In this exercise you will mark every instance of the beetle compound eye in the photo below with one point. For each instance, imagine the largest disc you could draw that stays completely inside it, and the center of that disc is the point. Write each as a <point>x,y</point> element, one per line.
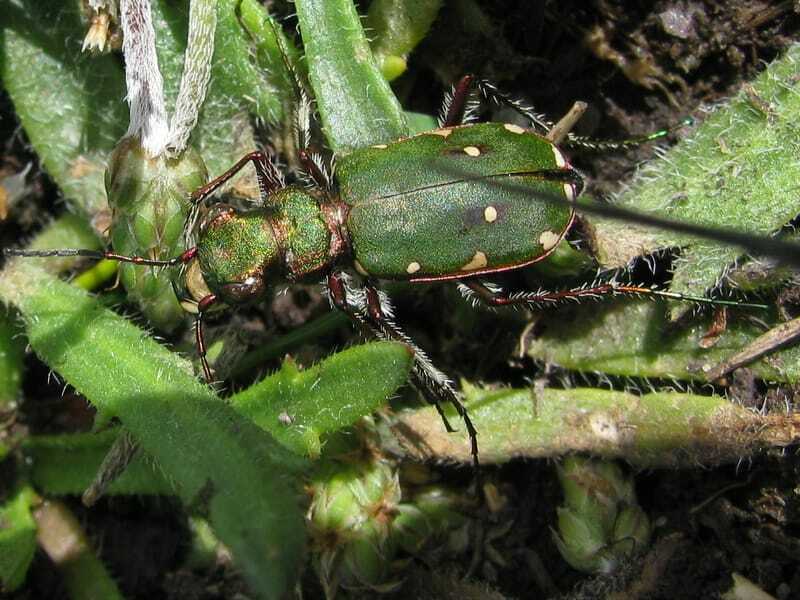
<point>248,290</point>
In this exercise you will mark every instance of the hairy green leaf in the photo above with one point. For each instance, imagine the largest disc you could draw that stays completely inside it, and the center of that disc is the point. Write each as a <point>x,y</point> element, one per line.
<point>738,170</point>
<point>355,102</point>
<point>17,538</point>
<point>298,407</point>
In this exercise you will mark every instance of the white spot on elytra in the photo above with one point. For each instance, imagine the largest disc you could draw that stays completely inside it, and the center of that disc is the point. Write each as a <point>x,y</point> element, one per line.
<point>442,132</point>
<point>561,162</point>
<point>380,146</point>
<point>472,151</point>
<point>490,214</point>
<point>360,269</point>
<point>548,239</point>
<point>514,128</point>
<point>478,262</point>
<point>569,191</point>
<point>413,267</point>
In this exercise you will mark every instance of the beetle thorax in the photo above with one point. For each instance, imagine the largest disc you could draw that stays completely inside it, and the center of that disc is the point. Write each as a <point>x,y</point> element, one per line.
<point>243,253</point>
<point>237,252</point>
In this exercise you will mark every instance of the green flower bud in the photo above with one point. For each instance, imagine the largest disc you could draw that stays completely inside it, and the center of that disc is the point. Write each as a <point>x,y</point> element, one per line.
<point>351,516</point>
<point>582,542</point>
<point>632,529</point>
<point>600,522</point>
<point>149,199</point>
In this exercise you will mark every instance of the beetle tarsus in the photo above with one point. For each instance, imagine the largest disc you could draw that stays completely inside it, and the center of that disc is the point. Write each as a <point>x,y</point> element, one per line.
<point>371,312</point>
<point>494,297</point>
<point>269,177</point>
<point>202,306</point>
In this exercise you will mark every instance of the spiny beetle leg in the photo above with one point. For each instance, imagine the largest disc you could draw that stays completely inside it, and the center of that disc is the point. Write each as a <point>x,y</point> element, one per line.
<point>542,298</point>
<point>427,379</point>
<point>561,130</point>
<point>435,385</point>
<point>269,178</point>
<point>455,102</point>
<point>489,91</point>
<point>202,306</point>
<point>588,143</point>
<point>313,169</point>
<point>370,315</point>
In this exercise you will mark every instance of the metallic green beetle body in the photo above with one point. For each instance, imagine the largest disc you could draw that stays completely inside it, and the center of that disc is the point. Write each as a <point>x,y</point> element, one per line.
<point>411,221</point>
<point>241,251</point>
<point>398,218</point>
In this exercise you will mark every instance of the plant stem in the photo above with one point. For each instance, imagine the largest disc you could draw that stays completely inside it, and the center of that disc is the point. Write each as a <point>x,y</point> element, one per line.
<point>660,429</point>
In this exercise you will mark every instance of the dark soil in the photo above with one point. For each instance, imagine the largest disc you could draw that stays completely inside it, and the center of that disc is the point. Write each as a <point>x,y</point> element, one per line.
<point>640,66</point>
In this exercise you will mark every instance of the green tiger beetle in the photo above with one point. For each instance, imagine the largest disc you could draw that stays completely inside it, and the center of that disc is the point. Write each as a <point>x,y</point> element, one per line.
<point>388,216</point>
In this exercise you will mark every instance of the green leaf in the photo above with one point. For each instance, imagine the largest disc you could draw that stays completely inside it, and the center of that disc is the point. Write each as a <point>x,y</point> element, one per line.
<point>420,122</point>
<point>218,461</point>
<point>396,27</point>
<point>738,170</point>
<point>262,74</point>
<point>17,538</point>
<point>659,429</point>
<point>634,338</point>
<point>355,102</point>
<point>68,463</point>
<point>12,352</point>
<point>70,104</point>
<point>298,407</point>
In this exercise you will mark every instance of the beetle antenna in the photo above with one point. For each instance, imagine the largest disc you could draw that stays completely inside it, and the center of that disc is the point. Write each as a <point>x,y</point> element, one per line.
<point>182,259</point>
<point>592,144</point>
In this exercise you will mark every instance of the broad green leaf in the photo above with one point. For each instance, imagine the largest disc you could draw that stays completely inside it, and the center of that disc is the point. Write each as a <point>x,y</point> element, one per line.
<point>218,461</point>
<point>355,102</point>
<point>635,338</point>
<point>298,407</point>
<point>738,170</point>
<point>67,464</point>
<point>70,104</point>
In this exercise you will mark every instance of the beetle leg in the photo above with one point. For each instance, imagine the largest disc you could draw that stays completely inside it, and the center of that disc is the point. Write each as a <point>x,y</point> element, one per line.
<point>359,311</point>
<point>490,92</point>
<point>311,163</point>
<point>435,386</point>
<point>561,130</point>
<point>202,307</point>
<point>313,166</point>
<point>454,106</point>
<point>269,177</point>
<point>588,143</point>
<point>555,132</point>
<point>370,313</point>
<point>494,296</point>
